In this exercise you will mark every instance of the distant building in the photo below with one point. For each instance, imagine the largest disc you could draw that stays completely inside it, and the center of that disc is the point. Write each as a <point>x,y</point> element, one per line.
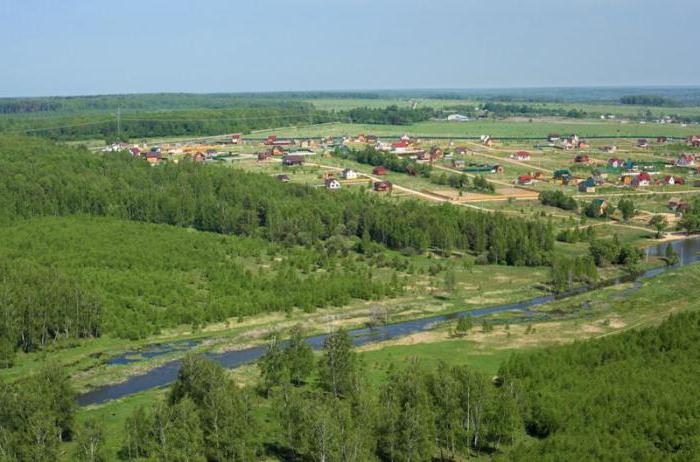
<point>382,186</point>
<point>332,183</point>
<point>686,160</point>
<point>521,155</point>
<point>379,170</point>
<point>525,180</point>
<point>290,160</point>
<point>349,174</point>
<point>457,118</point>
<point>587,186</point>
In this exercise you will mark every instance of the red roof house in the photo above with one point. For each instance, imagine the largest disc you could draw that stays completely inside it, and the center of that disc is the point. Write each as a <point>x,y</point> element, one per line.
<point>379,170</point>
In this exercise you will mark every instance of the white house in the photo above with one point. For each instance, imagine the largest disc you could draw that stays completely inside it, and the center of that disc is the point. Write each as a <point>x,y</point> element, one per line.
<point>349,174</point>
<point>332,183</point>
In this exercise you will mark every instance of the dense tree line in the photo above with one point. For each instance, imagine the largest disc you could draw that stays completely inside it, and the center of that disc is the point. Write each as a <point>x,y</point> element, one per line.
<point>45,179</point>
<point>333,413</point>
<point>647,100</point>
<point>568,271</point>
<point>183,122</point>
<point>556,198</point>
<point>390,115</point>
<point>513,109</point>
<point>610,251</point>
<point>461,182</point>
<point>39,305</point>
<point>372,156</point>
<point>629,396</point>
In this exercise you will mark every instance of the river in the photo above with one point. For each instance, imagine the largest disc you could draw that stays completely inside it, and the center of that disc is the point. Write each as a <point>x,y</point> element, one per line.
<point>687,249</point>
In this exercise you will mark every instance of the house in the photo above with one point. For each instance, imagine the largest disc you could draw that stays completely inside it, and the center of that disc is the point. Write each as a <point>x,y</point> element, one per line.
<point>567,145</point>
<point>153,157</point>
<point>436,153</point>
<point>486,140</point>
<point>582,159</point>
<point>521,155</point>
<point>686,160</point>
<point>361,138</point>
<point>332,183</point>
<point>601,206</point>
<point>277,151</point>
<point>611,148</point>
<point>461,150</point>
<point>694,141</point>
<point>562,176</point>
<point>282,178</point>
<point>587,186</point>
<point>290,160</point>
<point>525,179</point>
<point>582,145</point>
<point>614,162</point>
<point>642,143</point>
<point>135,151</point>
<point>679,205</point>
<point>236,139</point>
<point>405,137</point>
<point>198,157</point>
<point>553,137</point>
<point>379,170</point>
<point>538,175</point>
<point>458,163</point>
<point>349,174</point>
<point>661,139</point>
<point>264,155</point>
<point>497,169</point>
<point>400,146</point>
<point>270,139</point>
<point>671,180</point>
<point>382,186</point>
<point>643,179</point>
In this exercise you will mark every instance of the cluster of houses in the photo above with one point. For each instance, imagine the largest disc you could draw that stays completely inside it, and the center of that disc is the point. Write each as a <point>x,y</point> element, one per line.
<point>566,143</point>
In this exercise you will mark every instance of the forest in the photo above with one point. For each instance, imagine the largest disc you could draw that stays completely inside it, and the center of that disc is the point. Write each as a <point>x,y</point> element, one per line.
<point>292,247</point>
<point>592,400</point>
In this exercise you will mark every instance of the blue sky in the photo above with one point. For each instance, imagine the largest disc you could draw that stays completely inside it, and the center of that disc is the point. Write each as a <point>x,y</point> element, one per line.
<point>67,47</point>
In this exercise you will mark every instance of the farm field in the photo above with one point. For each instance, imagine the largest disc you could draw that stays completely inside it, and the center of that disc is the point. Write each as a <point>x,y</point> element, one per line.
<point>538,128</point>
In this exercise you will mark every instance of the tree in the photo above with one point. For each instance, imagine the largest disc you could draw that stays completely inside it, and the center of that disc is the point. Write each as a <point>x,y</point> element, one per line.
<point>659,223</point>
<point>178,432</point>
<point>273,365</point>
<point>690,222</point>
<point>90,442</point>
<point>464,325</point>
<point>339,366</point>
<point>300,357</point>
<point>626,207</point>
<point>407,419</point>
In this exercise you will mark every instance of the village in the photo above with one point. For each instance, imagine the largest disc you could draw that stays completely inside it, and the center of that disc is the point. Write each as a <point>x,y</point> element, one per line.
<point>661,174</point>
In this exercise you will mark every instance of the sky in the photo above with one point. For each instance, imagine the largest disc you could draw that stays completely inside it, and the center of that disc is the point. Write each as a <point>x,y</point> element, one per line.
<point>78,47</point>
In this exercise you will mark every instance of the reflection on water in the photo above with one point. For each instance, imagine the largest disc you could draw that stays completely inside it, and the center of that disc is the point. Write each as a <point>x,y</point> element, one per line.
<point>687,251</point>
